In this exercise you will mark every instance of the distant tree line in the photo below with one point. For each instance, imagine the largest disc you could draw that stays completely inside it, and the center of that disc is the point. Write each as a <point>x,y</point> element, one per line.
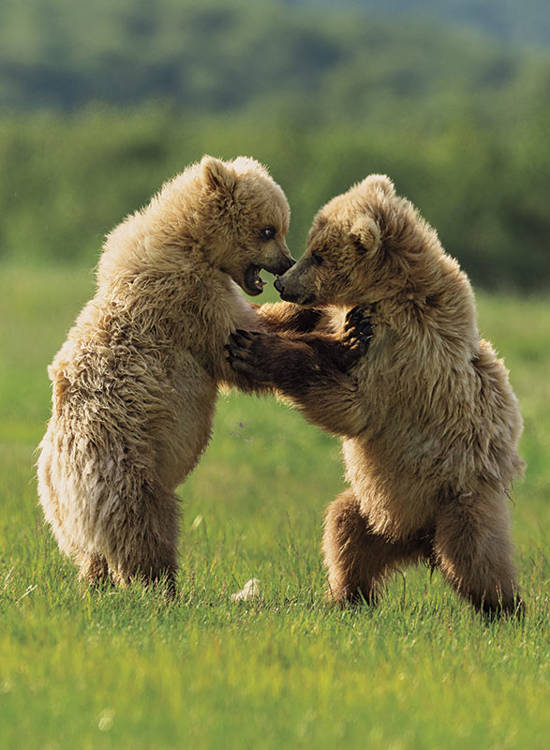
<point>103,101</point>
<point>525,22</point>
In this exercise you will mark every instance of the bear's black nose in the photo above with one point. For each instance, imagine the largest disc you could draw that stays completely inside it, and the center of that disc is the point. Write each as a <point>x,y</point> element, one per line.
<point>278,284</point>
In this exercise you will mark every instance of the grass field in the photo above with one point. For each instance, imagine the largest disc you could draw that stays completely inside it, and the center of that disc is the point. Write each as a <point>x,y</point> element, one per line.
<point>124,669</point>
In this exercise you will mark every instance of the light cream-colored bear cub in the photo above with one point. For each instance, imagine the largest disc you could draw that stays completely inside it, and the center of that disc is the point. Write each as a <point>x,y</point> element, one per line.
<point>135,383</point>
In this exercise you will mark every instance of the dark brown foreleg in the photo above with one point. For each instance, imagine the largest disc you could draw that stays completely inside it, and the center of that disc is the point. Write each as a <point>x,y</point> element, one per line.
<point>281,317</point>
<point>312,369</point>
<point>308,375</point>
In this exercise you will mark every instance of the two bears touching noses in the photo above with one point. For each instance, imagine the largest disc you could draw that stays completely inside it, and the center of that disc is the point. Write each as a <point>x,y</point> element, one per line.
<point>375,341</point>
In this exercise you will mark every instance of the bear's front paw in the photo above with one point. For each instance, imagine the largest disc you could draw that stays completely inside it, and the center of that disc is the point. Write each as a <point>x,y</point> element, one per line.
<point>358,332</point>
<point>246,353</point>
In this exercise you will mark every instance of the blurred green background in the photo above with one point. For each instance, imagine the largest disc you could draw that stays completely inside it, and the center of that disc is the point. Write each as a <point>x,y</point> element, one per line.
<point>101,101</point>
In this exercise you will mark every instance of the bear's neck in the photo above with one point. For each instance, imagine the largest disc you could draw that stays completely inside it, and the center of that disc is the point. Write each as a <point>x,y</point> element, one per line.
<point>439,308</point>
<point>159,294</point>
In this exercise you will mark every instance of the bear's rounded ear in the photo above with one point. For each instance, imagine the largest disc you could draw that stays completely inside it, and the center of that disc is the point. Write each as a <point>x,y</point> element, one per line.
<point>243,164</point>
<point>216,174</point>
<point>379,182</point>
<point>366,234</point>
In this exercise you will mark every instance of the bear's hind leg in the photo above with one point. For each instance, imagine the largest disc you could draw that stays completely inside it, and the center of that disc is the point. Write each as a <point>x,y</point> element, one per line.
<point>473,549</point>
<point>356,558</point>
<point>94,569</point>
<point>140,541</point>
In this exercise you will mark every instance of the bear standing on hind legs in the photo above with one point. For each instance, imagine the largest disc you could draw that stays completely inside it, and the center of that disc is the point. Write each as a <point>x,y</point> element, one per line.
<point>429,423</point>
<point>135,383</point>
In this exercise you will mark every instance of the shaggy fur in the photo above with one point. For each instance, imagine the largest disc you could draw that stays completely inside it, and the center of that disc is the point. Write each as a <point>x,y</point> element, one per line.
<point>135,383</point>
<point>430,425</point>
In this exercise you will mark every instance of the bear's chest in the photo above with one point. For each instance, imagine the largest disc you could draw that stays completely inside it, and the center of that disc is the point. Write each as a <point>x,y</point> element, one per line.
<point>192,401</point>
<point>222,314</point>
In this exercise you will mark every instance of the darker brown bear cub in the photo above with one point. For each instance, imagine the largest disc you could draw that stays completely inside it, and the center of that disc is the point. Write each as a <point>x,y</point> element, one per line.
<point>429,423</point>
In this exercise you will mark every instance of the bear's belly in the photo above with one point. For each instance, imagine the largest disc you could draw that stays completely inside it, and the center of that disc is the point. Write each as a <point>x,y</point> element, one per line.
<point>395,504</point>
<point>193,402</point>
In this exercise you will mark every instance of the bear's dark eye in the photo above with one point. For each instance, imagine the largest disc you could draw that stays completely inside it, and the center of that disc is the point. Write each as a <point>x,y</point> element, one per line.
<point>268,232</point>
<point>316,259</point>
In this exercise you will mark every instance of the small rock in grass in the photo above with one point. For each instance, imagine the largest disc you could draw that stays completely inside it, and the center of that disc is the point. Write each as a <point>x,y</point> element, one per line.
<point>250,590</point>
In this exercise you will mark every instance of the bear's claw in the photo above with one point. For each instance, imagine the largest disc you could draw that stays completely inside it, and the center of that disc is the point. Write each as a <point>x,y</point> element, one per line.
<point>358,330</point>
<point>242,352</point>
<point>245,334</point>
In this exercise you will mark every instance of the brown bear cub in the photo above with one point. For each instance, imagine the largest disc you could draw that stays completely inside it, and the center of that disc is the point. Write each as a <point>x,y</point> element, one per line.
<point>135,383</point>
<point>429,422</point>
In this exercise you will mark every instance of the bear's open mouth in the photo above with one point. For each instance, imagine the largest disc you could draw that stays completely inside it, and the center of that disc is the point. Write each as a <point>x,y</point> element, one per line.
<point>253,284</point>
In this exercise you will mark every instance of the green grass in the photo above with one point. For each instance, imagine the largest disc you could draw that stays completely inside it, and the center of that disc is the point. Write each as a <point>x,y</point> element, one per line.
<point>124,669</point>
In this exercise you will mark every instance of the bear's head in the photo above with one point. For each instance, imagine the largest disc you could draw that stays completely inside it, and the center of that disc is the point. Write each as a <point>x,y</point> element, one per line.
<point>360,248</point>
<point>229,215</point>
<point>249,218</point>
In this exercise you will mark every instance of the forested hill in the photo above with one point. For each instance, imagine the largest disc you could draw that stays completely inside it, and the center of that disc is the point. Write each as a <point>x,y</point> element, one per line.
<point>219,55</point>
<point>101,101</point>
<point>515,21</point>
